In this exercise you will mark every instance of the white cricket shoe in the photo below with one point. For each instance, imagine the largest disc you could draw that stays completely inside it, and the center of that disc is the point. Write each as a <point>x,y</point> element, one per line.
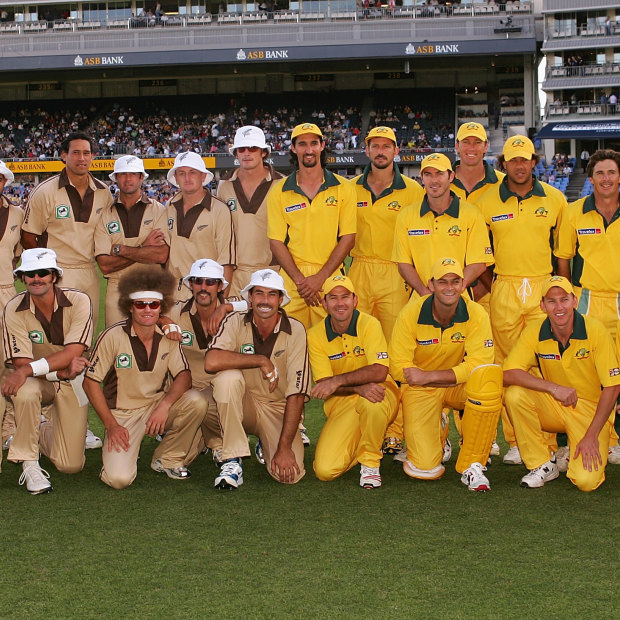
<point>562,457</point>
<point>370,478</point>
<point>7,442</point>
<point>92,441</point>
<point>494,449</point>
<point>447,451</point>
<point>36,478</point>
<point>613,456</point>
<point>539,476</point>
<point>513,456</point>
<point>304,437</point>
<point>475,479</point>
<point>424,474</point>
<point>231,475</point>
<point>176,473</point>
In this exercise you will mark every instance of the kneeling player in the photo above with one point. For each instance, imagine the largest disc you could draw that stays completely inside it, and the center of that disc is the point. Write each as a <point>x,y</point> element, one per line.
<point>442,352</point>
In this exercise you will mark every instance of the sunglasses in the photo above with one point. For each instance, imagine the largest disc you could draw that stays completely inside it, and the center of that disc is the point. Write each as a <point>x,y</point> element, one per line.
<point>207,281</point>
<point>141,304</point>
<point>252,149</point>
<point>38,272</point>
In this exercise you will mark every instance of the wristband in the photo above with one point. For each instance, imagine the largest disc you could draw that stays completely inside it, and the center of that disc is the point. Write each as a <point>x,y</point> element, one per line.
<point>171,327</point>
<point>39,367</point>
<point>52,376</point>
<point>272,376</point>
<point>239,306</point>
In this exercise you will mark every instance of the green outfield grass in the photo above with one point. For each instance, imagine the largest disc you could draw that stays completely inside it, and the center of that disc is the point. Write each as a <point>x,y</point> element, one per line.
<point>181,549</point>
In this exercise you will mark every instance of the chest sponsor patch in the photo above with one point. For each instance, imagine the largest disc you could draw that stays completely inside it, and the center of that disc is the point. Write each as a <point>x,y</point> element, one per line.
<point>418,232</point>
<point>361,205</point>
<point>123,361</point>
<point>36,337</point>
<point>247,348</point>
<point>424,343</point>
<point>63,212</point>
<point>113,227</point>
<point>297,207</point>
<point>503,217</point>
<point>232,204</point>
<point>187,338</point>
<point>589,231</point>
<point>549,356</point>
<point>337,356</point>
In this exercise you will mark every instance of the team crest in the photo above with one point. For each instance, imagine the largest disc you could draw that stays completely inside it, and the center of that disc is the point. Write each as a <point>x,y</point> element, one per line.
<point>36,337</point>
<point>541,212</point>
<point>187,339</point>
<point>394,206</point>
<point>358,351</point>
<point>331,201</point>
<point>582,354</point>
<point>454,231</point>
<point>247,349</point>
<point>62,212</point>
<point>113,227</point>
<point>232,204</point>
<point>123,361</point>
<point>457,337</point>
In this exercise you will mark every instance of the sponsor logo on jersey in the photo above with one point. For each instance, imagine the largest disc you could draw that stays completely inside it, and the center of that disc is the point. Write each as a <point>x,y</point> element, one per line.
<point>337,356</point>
<point>503,217</point>
<point>582,354</point>
<point>549,356</point>
<point>113,227</point>
<point>614,372</point>
<point>382,355</point>
<point>589,231</point>
<point>358,351</point>
<point>417,232</point>
<point>424,343</point>
<point>36,337</point>
<point>457,337</point>
<point>62,212</point>
<point>170,223</point>
<point>454,231</point>
<point>123,361</point>
<point>247,349</point>
<point>362,204</point>
<point>187,338</point>
<point>297,207</point>
<point>232,204</point>
<point>541,212</point>
<point>488,343</point>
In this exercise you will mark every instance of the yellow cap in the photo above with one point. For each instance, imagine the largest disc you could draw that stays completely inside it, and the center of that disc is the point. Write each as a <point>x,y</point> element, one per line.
<point>306,128</point>
<point>436,160</point>
<point>475,130</point>
<point>444,266</point>
<point>338,280</point>
<point>560,281</point>
<point>518,146</point>
<point>382,132</point>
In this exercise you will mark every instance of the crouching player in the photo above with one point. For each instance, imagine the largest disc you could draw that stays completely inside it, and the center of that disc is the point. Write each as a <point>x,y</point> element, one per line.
<point>576,394</point>
<point>442,352</point>
<point>146,384</point>
<point>349,359</point>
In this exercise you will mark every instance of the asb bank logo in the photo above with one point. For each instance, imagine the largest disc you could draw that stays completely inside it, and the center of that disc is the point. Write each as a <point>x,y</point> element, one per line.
<point>123,360</point>
<point>62,212</point>
<point>262,54</point>
<point>92,61</point>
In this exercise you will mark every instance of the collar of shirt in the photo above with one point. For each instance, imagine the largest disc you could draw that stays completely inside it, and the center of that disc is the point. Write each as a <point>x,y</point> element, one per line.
<point>63,181</point>
<point>590,205</point>
<point>579,331</point>
<point>505,193</point>
<point>283,324</point>
<point>397,183</point>
<point>489,177</point>
<point>60,301</point>
<point>350,331</point>
<point>329,180</point>
<point>426,314</point>
<point>452,210</point>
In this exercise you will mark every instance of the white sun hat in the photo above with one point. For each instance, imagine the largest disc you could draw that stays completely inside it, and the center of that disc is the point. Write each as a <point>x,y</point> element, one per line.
<point>6,173</point>
<point>206,268</point>
<point>38,258</point>
<point>269,279</point>
<point>128,163</point>
<point>249,136</point>
<point>189,159</point>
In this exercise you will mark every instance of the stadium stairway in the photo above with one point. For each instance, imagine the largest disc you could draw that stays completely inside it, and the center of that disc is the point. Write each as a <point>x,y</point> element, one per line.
<point>573,190</point>
<point>367,106</point>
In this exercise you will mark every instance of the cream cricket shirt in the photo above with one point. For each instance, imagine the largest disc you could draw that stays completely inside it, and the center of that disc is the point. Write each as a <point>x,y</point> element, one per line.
<point>11,218</point>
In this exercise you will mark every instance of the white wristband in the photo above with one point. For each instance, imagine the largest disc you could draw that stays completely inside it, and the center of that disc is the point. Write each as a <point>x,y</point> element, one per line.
<point>239,306</point>
<point>39,367</point>
<point>171,327</point>
<point>52,376</point>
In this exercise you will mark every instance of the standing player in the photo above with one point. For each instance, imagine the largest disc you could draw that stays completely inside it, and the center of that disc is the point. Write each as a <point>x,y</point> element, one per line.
<point>200,224</point>
<point>245,193</point>
<point>312,223</point>
<point>263,380</point>
<point>590,236</point>
<point>133,230</point>
<point>442,353</point>
<point>46,331</point>
<point>576,393</point>
<point>62,213</point>
<point>349,359</point>
<point>523,215</point>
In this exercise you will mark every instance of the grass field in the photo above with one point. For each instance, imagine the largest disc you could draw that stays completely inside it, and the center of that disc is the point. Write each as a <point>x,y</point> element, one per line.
<point>181,549</point>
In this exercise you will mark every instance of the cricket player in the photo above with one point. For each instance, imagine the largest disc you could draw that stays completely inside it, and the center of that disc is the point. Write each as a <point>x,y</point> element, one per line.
<point>442,353</point>
<point>139,383</point>
<point>200,224</point>
<point>131,231</point>
<point>263,380</point>
<point>349,359</point>
<point>311,223</point>
<point>46,331</point>
<point>574,392</point>
<point>589,236</point>
<point>245,193</point>
<point>523,215</point>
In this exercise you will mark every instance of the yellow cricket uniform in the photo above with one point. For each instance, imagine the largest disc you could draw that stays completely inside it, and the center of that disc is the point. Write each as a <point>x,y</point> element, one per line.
<point>122,226</point>
<point>418,341</point>
<point>594,247</point>
<point>587,364</point>
<point>380,289</point>
<point>249,218</point>
<point>422,237</point>
<point>355,427</point>
<point>310,229</point>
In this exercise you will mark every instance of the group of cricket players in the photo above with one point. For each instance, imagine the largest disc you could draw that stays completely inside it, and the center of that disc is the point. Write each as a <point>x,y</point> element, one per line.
<point>479,296</point>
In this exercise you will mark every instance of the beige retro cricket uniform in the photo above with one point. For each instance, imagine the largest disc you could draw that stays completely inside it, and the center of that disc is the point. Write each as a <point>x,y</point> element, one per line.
<point>56,212</point>
<point>122,226</point>
<point>133,385</point>
<point>249,217</point>
<point>27,334</point>
<point>244,402</point>
<point>205,231</point>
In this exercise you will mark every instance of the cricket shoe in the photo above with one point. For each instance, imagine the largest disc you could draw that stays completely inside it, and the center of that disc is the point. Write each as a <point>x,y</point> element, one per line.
<point>7,442</point>
<point>36,478</point>
<point>217,457</point>
<point>475,479</point>
<point>447,451</point>
<point>613,456</point>
<point>304,437</point>
<point>258,452</point>
<point>231,475</point>
<point>513,457</point>
<point>562,458</point>
<point>494,449</point>
<point>392,445</point>
<point>539,476</point>
<point>401,456</point>
<point>176,473</point>
<point>92,441</point>
<point>370,478</point>
<point>423,474</point>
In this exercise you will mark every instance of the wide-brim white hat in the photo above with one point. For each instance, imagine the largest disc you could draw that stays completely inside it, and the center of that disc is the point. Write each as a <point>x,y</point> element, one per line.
<point>249,135</point>
<point>269,279</point>
<point>128,163</point>
<point>206,268</point>
<point>38,258</point>
<point>6,173</point>
<point>189,159</point>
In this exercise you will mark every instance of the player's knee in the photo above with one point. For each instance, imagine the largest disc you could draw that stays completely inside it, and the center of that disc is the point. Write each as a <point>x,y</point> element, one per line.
<point>587,481</point>
<point>225,382</point>
<point>70,467</point>
<point>511,396</point>
<point>118,480</point>
<point>324,470</point>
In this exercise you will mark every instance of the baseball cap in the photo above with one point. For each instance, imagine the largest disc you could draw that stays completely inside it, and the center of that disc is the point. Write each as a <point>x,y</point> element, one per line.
<point>189,159</point>
<point>269,279</point>
<point>128,163</point>
<point>6,173</point>
<point>446,265</point>
<point>306,128</point>
<point>38,258</point>
<point>436,160</point>
<point>560,281</point>
<point>518,146</point>
<point>381,132</point>
<point>338,280</point>
<point>475,130</point>
<point>206,268</point>
<point>249,135</point>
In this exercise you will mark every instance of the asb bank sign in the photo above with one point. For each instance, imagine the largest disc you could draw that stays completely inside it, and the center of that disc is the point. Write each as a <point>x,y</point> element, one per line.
<point>262,54</point>
<point>427,49</point>
<point>97,61</point>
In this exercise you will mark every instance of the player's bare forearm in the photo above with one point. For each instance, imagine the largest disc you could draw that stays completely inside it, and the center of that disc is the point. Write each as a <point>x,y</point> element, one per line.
<point>229,270</point>
<point>472,272</point>
<point>429,378</point>
<point>411,277</point>
<point>563,267</point>
<point>111,264</point>
<point>218,359</point>
<point>486,278</point>
<point>292,417</point>
<point>29,240</point>
<point>97,400</point>
<point>285,259</point>
<point>606,404</point>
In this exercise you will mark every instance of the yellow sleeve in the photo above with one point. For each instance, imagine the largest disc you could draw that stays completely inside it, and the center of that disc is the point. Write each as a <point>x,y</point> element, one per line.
<point>401,350</point>
<point>347,220</point>
<point>565,238</point>
<point>319,360</point>
<point>277,228</point>
<point>605,356</point>
<point>401,252</point>
<point>523,354</point>
<point>479,346</point>
<point>478,245</point>
<point>375,345</point>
